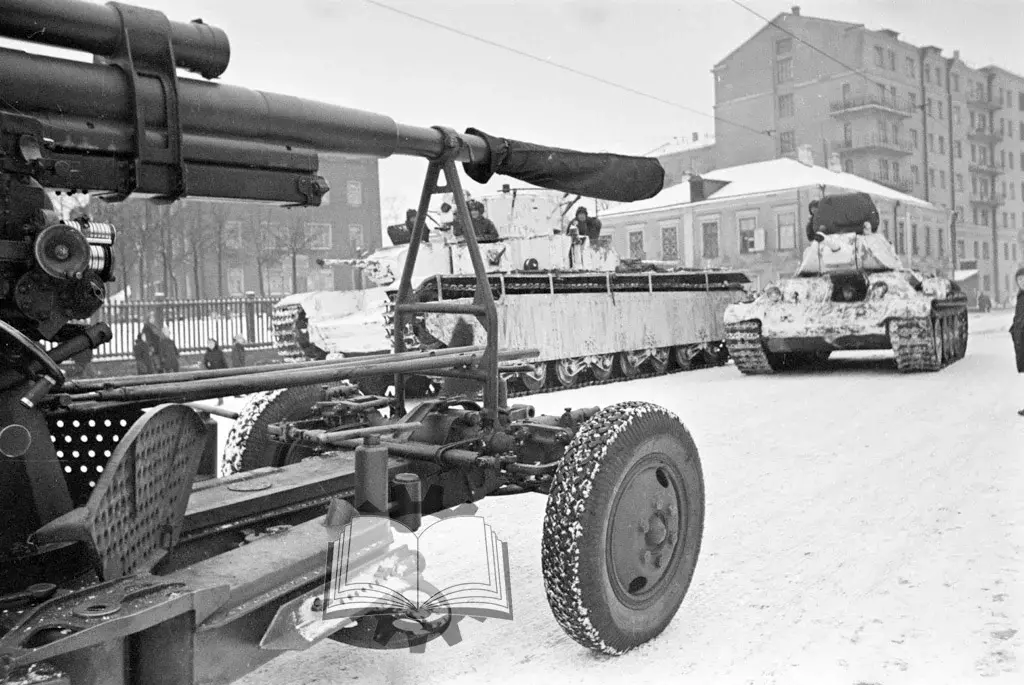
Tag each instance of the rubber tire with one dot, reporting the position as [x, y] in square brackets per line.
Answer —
[248, 446]
[576, 519]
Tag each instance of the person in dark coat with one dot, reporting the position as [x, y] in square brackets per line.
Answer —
[1017, 327]
[214, 357]
[812, 233]
[143, 354]
[238, 352]
[483, 228]
[586, 225]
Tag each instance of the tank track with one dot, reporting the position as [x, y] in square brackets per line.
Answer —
[286, 320]
[913, 341]
[747, 348]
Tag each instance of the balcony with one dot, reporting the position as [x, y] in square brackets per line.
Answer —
[985, 168]
[873, 143]
[903, 185]
[985, 137]
[863, 104]
[988, 200]
[983, 102]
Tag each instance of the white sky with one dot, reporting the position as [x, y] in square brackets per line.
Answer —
[353, 53]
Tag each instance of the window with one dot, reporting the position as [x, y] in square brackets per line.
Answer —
[913, 238]
[233, 234]
[911, 70]
[1020, 101]
[318, 236]
[942, 145]
[669, 242]
[975, 249]
[959, 150]
[928, 241]
[636, 244]
[974, 152]
[355, 193]
[984, 250]
[751, 237]
[1006, 250]
[901, 237]
[956, 114]
[236, 281]
[1014, 250]
[848, 166]
[1006, 222]
[927, 73]
[913, 137]
[956, 84]
[942, 178]
[987, 281]
[786, 105]
[785, 223]
[916, 173]
[940, 240]
[892, 60]
[784, 70]
[784, 46]
[929, 108]
[879, 56]
[355, 238]
[931, 176]
[938, 104]
[885, 229]
[960, 249]
[709, 238]
[931, 142]
[959, 181]
[787, 142]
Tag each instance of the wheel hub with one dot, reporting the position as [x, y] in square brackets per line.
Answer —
[644, 533]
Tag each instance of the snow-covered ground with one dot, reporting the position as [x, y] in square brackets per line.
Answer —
[862, 527]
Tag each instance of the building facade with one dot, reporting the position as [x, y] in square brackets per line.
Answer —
[898, 114]
[762, 233]
[272, 251]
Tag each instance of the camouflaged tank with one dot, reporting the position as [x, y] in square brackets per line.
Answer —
[594, 317]
[851, 292]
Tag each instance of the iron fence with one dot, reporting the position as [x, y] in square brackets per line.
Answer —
[190, 323]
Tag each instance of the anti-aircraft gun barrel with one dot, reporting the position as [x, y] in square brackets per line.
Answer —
[179, 137]
[99, 30]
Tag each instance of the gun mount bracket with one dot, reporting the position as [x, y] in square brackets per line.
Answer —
[452, 143]
[146, 50]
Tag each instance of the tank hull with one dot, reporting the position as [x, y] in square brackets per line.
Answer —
[923, 320]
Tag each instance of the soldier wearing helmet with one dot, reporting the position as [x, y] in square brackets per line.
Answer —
[483, 228]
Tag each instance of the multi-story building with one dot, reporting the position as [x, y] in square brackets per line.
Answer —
[898, 114]
[273, 250]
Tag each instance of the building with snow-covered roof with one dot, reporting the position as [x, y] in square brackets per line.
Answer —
[900, 114]
[752, 217]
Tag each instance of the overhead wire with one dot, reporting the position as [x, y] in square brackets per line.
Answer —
[564, 67]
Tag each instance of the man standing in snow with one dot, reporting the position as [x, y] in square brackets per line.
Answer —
[1017, 327]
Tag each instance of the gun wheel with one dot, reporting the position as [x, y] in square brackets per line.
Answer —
[248, 446]
[623, 527]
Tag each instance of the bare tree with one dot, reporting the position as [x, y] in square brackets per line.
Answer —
[295, 241]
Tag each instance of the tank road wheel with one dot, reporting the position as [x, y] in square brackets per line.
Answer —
[248, 446]
[535, 380]
[623, 526]
[568, 371]
[660, 360]
[603, 367]
[629, 363]
[684, 356]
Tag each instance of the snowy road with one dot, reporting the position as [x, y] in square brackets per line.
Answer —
[863, 527]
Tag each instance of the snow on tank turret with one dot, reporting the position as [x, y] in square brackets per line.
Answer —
[851, 292]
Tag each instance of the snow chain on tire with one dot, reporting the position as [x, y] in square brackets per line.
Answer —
[574, 545]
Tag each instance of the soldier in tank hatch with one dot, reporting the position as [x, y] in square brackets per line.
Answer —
[483, 228]
[586, 225]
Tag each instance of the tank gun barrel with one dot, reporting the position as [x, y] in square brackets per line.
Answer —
[181, 136]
